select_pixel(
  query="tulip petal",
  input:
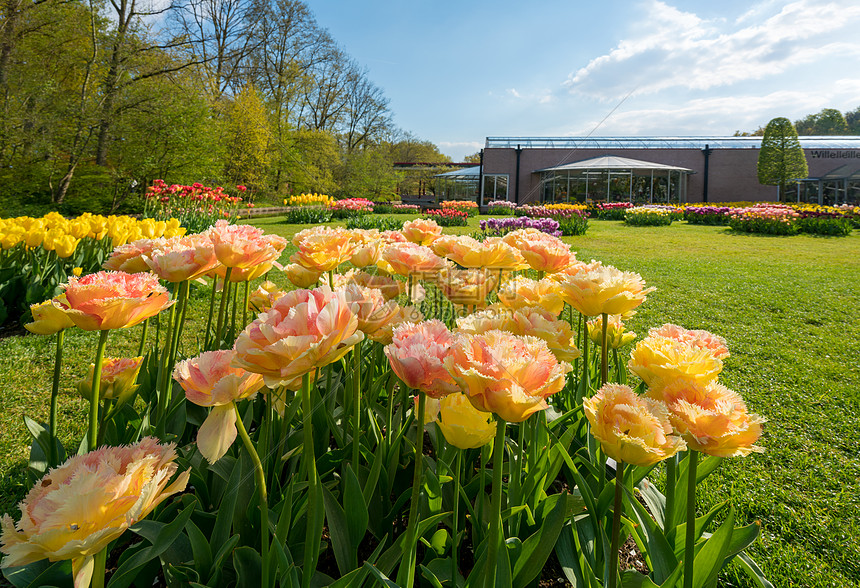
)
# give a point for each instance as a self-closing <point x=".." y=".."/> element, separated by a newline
<point x="82" y="570"/>
<point x="217" y="432"/>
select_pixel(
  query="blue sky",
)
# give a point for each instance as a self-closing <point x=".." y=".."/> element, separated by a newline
<point x="457" y="72"/>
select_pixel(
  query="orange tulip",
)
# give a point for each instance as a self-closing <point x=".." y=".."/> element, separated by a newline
<point x="421" y="231"/>
<point x="131" y="257"/>
<point x="210" y="380"/>
<point x="244" y="246"/>
<point x="659" y="361"/>
<point x="408" y="258"/>
<point x="603" y="290"/>
<point x="521" y="292"/>
<point x="182" y="258"/>
<point x="304" y="330"/>
<point x="631" y="428"/>
<point x="505" y="374"/>
<point x="543" y="252"/>
<point x="78" y="508"/>
<point x="49" y="317"/>
<point x="114" y="300"/>
<point x="323" y="249"/>
<point x="416" y="355"/>
<point x="697" y="338"/>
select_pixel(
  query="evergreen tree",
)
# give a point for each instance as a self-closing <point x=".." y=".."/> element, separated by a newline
<point x="781" y="159"/>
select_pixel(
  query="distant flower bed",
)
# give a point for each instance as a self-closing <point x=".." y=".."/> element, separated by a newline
<point x="571" y="218"/>
<point x="498" y="227"/>
<point x="373" y="222"/>
<point x="350" y="207"/>
<point x="501" y="207"/>
<point x="449" y="217"/>
<point x="309" y="200"/>
<point x="612" y="210"/>
<point x="406" y="208"/>
<point x="467" y="206"/>
<point x="195" y="206"/>
<point x="707" y="215"/>
<point x="648" y="217"/>
<point x="307" y="215"/>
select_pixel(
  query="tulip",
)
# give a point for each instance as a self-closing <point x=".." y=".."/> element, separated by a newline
<point x="182" y="258"/>
<point x="659" y="361"/>
<point x="49" y="317"/>
<point x="521" y="292"/>
<point x="113" y="300"/>
<point x="77" y="509"/>
<point x="417" y="353"/>
<point x="130" y="258"/>
<point x="616" y="335"/>
<point x="304" y="330"/>
<point x="462" y="424"/>
<point x="421" y="231"/>
<point x="301" y="276"/>
<point x="118" y="379"/>
<point x="603" y="290"/>
<point x="697" y="338"/>
<point x="210" y="380"/>
<point x="323" y="249"/>
<point x="505" y="374"/>
<point x="543" y="252"/>
<point x="631" y="428"/>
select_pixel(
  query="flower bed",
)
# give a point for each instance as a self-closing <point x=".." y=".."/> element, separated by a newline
<point x="707" y="215"/>
<point x="612" y="210"/>
<point x="501" y="207"/>
<point x="195" y="206"/>
<point x="648" y="217"/>
<point x="769" y="219"/>
<point x="448" y="217"/>
<point x="467" y="206"/>
<point x="39" y="254"/>
<point x="572" y="218"/>
<point x="350" y="207"/>
<point x="304" y="425"/>
<point x="406" y="208"/>
<point x="373" y="222"/>
<point x="499" y="227"/>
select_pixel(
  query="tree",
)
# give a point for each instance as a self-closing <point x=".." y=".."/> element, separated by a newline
<point x="827" y="122"/>
<point x="473" y="158"/>
<point x="247" y="138"/>
<point x="852" y="118"/>
<point x="781" y="159"/>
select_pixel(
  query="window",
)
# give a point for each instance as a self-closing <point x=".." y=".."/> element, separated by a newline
<point x="495" y="187"/>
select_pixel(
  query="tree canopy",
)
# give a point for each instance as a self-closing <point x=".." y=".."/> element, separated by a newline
<point x="216" y="91"/>
<point x="781" y="159"/>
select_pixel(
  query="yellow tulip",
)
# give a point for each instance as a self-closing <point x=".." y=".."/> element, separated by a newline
<point x="462" y="424"/>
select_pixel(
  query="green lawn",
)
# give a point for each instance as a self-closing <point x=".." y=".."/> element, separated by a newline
<point x="787" y="307"/>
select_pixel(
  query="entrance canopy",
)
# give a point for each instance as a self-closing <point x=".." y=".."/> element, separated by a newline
<point x="614" y="179"/>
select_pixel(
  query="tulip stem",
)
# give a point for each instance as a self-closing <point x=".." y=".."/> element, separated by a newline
<point x="182" y="304"/>
<point x="455" y="522"/>
<point x="211" y="310"/>
<point x="143" y="335"/>
<point x="92" y="440"/>
<point x="584" y="384"/>
<point x="55" y="392"/>
<point x="99" y="565"/>
<point x="312" y="536"/>
<point x="225" y="290"/>
<point x="671" y="480"/>
<point x="604" y="350"/>
<point x="163" y="374"/>
<point x="412" y="530"/>
<point x="689" y="546"/>
<point x="616" y="525"/>
<point x="356" y="405"/>
<point x="234" y="290"/>
<point x="261" y="489"/>
<point x="496" y="521"/>
<point x="245" y="306"/>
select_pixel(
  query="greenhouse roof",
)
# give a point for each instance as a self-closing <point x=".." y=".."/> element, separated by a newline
<point x="822" y="142"/>
<point x="462" y="174"/>
<point x="613" y="162"/>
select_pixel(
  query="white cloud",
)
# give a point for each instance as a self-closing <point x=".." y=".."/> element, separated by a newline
<point x="457" y="150"/>
<point x="683" y="50"/>
<point x="711" y="116"/>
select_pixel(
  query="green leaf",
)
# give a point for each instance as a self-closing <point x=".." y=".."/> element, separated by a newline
<point x="41" y="573"/>
<point x="386" y="581"/>
<point x="224" y="519"/>
<point x="634" y="579"/>
<point x="430" y="576"/>
<point x="165" y="535"/>
<point x="661" y="555"/>
<point x="248" y="564"/>
<point x="345" y="556"/>
<point x="753" y="571"/>
<point x="200" y="549"/>
<point x="569" y="559"/>
<point x="537" y="548"/>
<point x="709" y="560"/>
<point x="354" y="504"/>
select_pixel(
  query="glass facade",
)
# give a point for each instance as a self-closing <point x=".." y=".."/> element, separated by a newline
<point x="495" y="187"/>
<point x="595" y="186"/>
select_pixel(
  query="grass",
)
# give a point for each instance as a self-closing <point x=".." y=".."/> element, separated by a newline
<point x="787" y="307"/>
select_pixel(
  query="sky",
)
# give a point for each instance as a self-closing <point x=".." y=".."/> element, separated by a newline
<point x="458" y="72"/>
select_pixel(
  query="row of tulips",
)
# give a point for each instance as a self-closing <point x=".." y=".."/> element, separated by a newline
<point x="195" y="206"/>
<point x="39" y="254"/>
<point x="330" y="390"/>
